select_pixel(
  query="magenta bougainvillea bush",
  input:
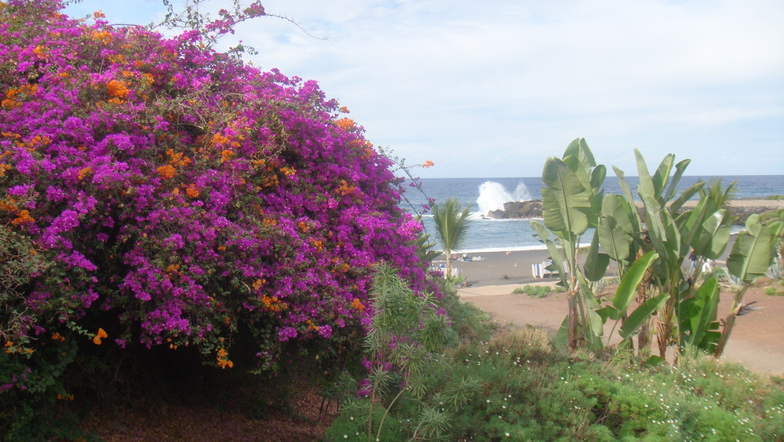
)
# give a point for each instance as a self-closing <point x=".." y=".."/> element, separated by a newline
<point x="173" y="193"/>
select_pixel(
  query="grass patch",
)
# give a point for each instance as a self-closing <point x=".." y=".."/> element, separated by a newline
<point x="772" y="291"/>
<point x="534" y="291"/>
<point x="517" y="386"/>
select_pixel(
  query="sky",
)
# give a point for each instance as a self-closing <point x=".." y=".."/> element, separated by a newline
<point x="492" y="89"/>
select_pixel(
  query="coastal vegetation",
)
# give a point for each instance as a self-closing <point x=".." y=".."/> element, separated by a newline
<point x="182" y="231"/>
<point x="657" y="255"/>
<point x="537" y="291"/>
<point x="451" y="225"/>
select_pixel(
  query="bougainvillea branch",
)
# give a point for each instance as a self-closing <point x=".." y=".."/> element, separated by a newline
<point x="181" y="192"/>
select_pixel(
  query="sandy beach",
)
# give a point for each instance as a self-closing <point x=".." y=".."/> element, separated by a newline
<point x="757" y="340"/>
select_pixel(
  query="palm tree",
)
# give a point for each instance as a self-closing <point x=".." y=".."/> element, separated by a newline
<point x="451" y="222"/>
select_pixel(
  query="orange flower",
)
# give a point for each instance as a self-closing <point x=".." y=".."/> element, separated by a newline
<point x="23" y="218"/>
<point x="40" y="51"/>
<point x="166" y="171"/>
<point x="100" y="335"/>
<point x="272" y="303"/>
<point x="428" y="164"/>
<point x="223" y="359"/>
<point x="84" y="172"/>
<point x="357" y="304"/>
<point x="345" y="123"/>
<point x="219" y="140"/>
<point x="117" y="89"/>
<point x="192" y="191"/>
<point x="178" y="159"/>
<point x="345" y="188"/>
<point x="102" y="36"/>
<point x="226" y="155"/>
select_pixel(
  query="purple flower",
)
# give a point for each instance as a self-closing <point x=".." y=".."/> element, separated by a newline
<point x="287" y="333"/>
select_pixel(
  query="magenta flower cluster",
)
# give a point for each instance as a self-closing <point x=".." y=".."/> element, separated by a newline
<point x="180" y="191"/>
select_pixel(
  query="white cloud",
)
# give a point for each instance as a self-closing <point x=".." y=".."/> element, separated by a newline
<point x="464" y="84"/>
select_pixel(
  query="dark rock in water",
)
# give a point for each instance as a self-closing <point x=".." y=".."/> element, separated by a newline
<point x="497" y="214"/>
<point x="518" y="210"/>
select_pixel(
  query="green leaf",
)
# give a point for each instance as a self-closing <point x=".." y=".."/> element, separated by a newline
<point x="685" y="196"/>
<point x="540" y="230"/>
<point x="616" y="228"/>
<point x="581" y="161"/>
<point x="774" y="219"/>
<point x="596" y="263"/>
<point x="609" y="312"/>
<point x="646" y="188"/>
<point x="564" y="199"/>
<point x="598" y="175"/>
<point x="699" y="312"/>
<point x="562" y="337"/>
<point x="640" y="314"/>
<point x="672" y="188"/>
<point x="596" y="323"/>
<point x="753" y="251"/>
<point x="628" y="285"/>
<point x="578" y="148"/>
<point x="627" y="191"/>
<point x="713" y="235"/>
<point x="662" y="174"/>
<point x="556" y="253"/>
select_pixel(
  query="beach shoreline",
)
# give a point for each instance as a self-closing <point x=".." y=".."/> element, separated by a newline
<point x="498" y="268"/>
<point x="513" y="266"/>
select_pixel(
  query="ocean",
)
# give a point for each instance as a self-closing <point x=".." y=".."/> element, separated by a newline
<point x="485" y="194"/>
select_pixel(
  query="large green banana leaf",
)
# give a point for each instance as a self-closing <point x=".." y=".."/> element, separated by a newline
<point x="672" y="188"/>
<point x="565" y="199"/>
<point x="640" y="314"/>
<point x="712" y="236"/>
<point x="557" y="254"/>
<point x="617" y="227"/>
<point x="596" y="262"/>
<point x="753" y="251"/>
<point x="697" y="315"/>
<point x="628" y="287"/>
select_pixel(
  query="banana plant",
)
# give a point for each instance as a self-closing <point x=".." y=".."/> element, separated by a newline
<point x="698" y="325"/>
<point x="572" y="199"/>
<point x="573" y="203"/>
<point x="752" y="254"/>
<point x="625" y="294"/>
<point x="673" y="233"/>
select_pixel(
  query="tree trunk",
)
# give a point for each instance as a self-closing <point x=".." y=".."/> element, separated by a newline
<point x="665" y="326"/>
<point x="574" y="338"/>
<point x="728" y="323"/>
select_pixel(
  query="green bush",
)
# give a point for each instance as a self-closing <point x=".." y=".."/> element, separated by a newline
<point x="534" y="291"/>
<point x="467" y="320"/>
<point x="517" y="386"/>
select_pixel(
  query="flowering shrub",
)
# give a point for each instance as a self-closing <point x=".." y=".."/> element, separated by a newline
<point x="177" y="193"/>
